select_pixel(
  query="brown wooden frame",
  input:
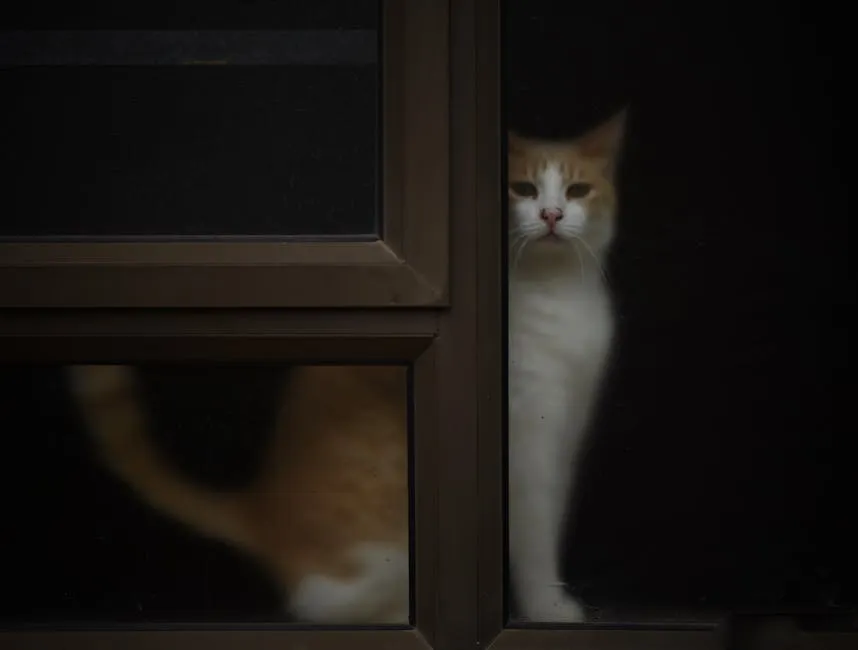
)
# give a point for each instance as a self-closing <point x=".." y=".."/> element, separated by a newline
<point x="406" y="266"/>
<point x="88" y="302"/>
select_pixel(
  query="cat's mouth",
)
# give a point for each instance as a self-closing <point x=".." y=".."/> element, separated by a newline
<point x="552" y="237"/>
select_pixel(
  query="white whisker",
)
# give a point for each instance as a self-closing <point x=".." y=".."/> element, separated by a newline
<point x="517" y="249"/>
<point x="593" y="255"/>
<point x="579" y="256"/>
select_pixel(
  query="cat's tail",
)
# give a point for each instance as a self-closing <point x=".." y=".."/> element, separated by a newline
<point x="110" y="401"/>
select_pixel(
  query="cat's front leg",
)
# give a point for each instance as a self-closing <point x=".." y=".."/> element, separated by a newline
<point x="540" y="469"/>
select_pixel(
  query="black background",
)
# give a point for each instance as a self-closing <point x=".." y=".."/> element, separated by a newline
<point x="718" y="474"/>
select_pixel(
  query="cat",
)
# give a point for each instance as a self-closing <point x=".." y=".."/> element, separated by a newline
<point x="327" y="513"/>
<point x="562" y="220"/>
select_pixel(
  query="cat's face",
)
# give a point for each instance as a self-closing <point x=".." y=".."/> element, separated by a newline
<point x="562" y="194"/>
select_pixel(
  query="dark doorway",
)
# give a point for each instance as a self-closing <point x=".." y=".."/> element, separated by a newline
<point x="718" y="475"/>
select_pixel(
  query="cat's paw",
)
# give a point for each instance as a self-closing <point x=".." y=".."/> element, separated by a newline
<point x="552" y="605"/>
<point x="92" y="383"/>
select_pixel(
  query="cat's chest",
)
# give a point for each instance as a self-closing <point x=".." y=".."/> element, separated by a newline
<point x="561" y="318"/>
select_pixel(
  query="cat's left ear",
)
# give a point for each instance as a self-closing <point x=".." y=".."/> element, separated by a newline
<point x="514" y="141"/>
<point x="605" y="141"/>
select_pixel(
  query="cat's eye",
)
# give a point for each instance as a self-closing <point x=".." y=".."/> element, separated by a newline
<point x="524" y="189"/>
<point x="578" y="190"/>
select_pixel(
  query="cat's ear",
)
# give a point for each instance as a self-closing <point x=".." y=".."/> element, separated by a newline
<point x="514" y="141"/>
<point x="605" y="141"/>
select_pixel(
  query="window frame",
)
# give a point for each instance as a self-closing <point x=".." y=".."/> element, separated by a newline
<point x="406" y="266"/>
<point x="486" y="175"/>
<point x="259" y="336"/>
<point x="699" y="631"/>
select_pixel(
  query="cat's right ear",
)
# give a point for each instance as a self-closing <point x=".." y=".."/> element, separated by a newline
<point x="605" y="141"/>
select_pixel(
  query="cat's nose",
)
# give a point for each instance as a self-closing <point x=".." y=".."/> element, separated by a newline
<point x="551" y="216"/>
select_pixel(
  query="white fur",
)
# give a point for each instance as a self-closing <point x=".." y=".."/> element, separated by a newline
<point x="560" y="329"/>
<point x="378" y="595"/>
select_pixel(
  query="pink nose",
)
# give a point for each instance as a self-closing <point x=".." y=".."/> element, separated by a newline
<point x="551" y="216"/>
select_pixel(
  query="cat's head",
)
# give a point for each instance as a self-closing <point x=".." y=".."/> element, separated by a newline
<point x="562" y="194"/>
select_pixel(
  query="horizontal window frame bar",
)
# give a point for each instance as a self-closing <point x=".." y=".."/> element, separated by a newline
<point x="217" y="640"/>
<point x="67" y="336"/>
<point x="188" y="275"/>
<point x="595" y="639"/>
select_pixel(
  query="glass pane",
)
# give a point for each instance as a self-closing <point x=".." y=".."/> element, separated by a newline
<point x="177" y="126"/>
<point x="205" y="494"/>
<point x="678" y="304"/>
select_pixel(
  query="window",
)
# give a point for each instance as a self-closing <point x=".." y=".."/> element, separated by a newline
<point x="196" y="127"/>
<point x="190" y="134"/>
<point x="266" y="467"/>
<point x="409" y="272"/>
<point x="249" y="350"/>
<point x="720" y="391"/>
<point x="209" y="298"/>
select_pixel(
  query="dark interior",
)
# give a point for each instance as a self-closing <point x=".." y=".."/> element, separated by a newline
<point x="264" y="125"/>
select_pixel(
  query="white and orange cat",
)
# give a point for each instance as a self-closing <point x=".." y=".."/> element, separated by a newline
<point x="328" y="511"/>
<point x="563" y="200"/>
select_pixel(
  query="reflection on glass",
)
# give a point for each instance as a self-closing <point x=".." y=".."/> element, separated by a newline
<point x="192" y="133"/>
<point x="205" y="493"/>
